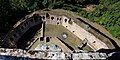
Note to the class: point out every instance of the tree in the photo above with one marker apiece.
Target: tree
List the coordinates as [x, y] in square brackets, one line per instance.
[19, 4]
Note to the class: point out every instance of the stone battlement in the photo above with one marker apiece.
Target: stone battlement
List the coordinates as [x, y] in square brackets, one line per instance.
[52, 55]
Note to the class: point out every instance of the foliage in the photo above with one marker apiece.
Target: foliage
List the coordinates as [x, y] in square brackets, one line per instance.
[19, 4]
[107, 13]
[75, 9]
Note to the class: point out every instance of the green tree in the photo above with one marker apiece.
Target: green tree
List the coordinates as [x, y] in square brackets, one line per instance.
[19, 4]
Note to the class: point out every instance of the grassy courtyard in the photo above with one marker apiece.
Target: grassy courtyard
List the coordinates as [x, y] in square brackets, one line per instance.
[57, 31]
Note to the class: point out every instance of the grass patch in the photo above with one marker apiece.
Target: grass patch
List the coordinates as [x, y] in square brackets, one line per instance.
[57, 31]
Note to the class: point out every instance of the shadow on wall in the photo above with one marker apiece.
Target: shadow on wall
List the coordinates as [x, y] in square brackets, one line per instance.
[115, 56]
[66, 44]
[22, 42]
[111, 40]
[107, 51]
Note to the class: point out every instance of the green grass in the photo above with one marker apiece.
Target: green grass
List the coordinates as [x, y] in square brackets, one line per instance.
[57, 31]
[87, 48]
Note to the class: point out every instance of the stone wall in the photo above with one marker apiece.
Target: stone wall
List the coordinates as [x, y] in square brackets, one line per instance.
[19, 53]
[15, 33]
[81, 33]
[54, 19]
